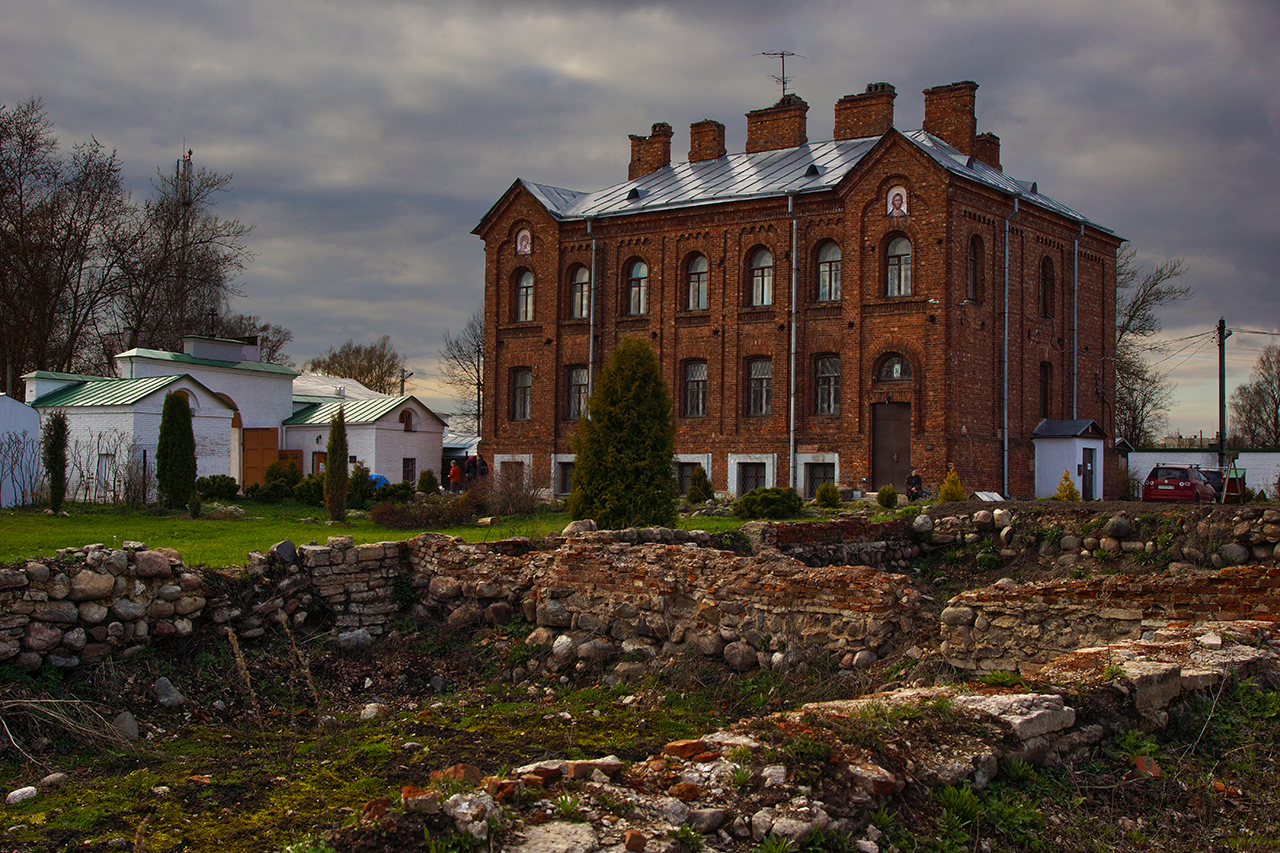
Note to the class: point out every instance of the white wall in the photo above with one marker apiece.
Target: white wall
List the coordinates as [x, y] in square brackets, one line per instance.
[17, 419]
[381, 447]
[1055, 455]
[264, 399]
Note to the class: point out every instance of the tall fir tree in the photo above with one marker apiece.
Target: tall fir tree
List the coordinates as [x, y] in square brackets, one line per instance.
[335, 469]
[54, 453]
[176, 453]
[625, 446]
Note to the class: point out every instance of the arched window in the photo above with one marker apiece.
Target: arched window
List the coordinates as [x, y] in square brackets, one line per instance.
[638, 288]
[826, 369]
[898, 267]
[894, 368]
[696, 276]
[759, 387]
[829, 272]
[524, 297]
[579, 293]
[406, 418]
[1046, 287]
[762, 278]
[975, 283]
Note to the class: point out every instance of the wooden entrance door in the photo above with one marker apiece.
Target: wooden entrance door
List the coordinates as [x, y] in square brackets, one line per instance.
[890, 445]
[1086, 473]
[260, 449]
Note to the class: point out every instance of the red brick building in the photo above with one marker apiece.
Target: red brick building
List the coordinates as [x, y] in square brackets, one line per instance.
[837, 310]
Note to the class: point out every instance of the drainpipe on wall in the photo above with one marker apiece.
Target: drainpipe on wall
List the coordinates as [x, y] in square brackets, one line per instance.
[1005, 431]
[1075, 322]
[591, 313]
[795, 316]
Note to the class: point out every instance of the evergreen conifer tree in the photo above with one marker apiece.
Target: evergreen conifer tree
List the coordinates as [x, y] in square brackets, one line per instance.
[1067, 490]
[176, 453]
[625, 446]
[335, 474]
[952, 490]
[55, 458]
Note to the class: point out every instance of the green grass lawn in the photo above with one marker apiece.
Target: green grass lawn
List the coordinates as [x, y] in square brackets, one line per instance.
[27, 533]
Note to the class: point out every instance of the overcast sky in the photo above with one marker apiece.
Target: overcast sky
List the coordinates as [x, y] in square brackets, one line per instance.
[366, 139]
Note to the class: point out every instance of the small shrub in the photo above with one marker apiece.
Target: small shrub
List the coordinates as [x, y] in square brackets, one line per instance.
[504, 496]
[1000, 678]
[436, 511]
[286, 470]
[428, 482]
[828, 496]
[219, 487]
[887, 497]
[699, 487]
[398, 492]
[688, 836]
[310, 491]
[773, 502]
[951, 489]
[270, 492]
[194, 506]
[1067, 490]
[360, 487]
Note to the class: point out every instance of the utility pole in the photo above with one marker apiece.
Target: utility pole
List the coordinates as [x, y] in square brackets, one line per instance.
[479, 381]
[403, 377]
[1223, 334]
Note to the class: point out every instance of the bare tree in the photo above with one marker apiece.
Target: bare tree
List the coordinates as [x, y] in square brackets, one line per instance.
[61, 223]
[462, 369]
[377, 366]
[1143, 394]
[180, 262]
[1255, 405]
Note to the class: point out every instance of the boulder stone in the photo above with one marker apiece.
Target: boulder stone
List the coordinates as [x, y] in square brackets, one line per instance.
[740, 656]
[152, 564]
[1118, 527]
[41, 636]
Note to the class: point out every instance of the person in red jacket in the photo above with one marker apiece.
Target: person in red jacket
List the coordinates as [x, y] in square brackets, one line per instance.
[455, 477]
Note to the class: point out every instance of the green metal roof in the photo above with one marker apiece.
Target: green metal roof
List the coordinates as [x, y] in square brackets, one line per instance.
[53, 374]
[105, 392]
[183, 358]
[353, 411]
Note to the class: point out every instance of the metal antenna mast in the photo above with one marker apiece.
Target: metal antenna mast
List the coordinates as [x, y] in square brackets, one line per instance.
[782, 79]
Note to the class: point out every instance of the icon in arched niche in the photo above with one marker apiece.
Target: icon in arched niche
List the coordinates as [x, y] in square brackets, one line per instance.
[896, 201]
[524, 242]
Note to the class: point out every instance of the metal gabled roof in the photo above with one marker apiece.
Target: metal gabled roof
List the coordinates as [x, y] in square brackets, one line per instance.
[812, 167]
[106, 392]
[54, 374]
[183, 358]
[353, 411]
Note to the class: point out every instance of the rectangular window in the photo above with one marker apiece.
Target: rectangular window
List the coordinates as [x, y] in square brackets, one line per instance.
[521, 393]
[511, 473]
[106, 468]
[829, 281]
[408, 470]
[762, 286]
[827, 385]
[638, 286]
[695, 390]
[698, 290]
[684, 476]
[577, 393]
[817, 473]
[760, 387]
[580, 295]
[564, 478]
[524, 298]
[750, 476]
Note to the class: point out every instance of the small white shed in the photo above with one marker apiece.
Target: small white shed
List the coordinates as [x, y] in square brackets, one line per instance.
[19, 450]
[397, 437]
[1074, 446]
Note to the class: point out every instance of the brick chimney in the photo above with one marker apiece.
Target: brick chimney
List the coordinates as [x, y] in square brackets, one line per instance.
[650, 153]
[948, 114]
[986, 147]
[868, 114]
[706, 140]
[782, 125]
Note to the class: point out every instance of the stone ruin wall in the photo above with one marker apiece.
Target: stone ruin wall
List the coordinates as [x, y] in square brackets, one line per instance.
[607, 592]
[1014, 627]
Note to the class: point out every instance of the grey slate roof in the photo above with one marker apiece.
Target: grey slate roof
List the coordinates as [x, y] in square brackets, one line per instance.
[814, 167]
[1067, 428]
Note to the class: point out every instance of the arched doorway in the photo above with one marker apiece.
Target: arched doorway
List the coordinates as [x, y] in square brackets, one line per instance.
[892, 385]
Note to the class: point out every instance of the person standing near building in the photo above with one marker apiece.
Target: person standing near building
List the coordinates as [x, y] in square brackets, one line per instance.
[455, 477]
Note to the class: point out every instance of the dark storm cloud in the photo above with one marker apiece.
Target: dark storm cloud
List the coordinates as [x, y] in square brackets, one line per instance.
[366, 140]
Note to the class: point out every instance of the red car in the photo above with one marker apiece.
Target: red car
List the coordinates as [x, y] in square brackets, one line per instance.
[1177, 483]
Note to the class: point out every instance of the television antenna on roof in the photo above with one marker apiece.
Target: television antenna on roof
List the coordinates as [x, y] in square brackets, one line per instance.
[782, 79]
